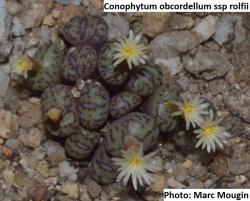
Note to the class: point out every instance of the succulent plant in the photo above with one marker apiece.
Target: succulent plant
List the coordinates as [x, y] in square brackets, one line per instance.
[94, 105]
[159, 106]
[123, 103]
[82, 143]
[134, 127]
[60, 109]
[113, 75]
[104, 171]
[79, 63]
[46, 71]
[145, 80]
[87, 30]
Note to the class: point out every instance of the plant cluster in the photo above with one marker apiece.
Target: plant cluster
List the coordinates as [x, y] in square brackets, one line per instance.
[100, 85]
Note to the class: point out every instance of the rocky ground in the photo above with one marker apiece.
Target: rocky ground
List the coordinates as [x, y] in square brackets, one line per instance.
[208, 54]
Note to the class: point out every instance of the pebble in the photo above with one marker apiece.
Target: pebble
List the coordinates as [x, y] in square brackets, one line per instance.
[94, 189]
[37, 191]
[33, 138]
[49, 20]
[170, 44]
[5, 26]
[13, 7]
[207, 64]
[174, 183]
[199, 171]
[181, 174]
[159, 183]
[33, 17]
[206, 28]
[64, 2]
[154, 24]
[239, 166]
[4, 79]
[84, 194]
[240, 179]
[55, 152]
[224, 29]
[187, 164]
[238, 101]
[118, 26]
[180, 22]
[43, 168]
[173, 65]
[8, 176]
[18, 28]
[6, 119]
[71, 189]
[195, 183]
[30, 113]
[66, 170]
[219, 165]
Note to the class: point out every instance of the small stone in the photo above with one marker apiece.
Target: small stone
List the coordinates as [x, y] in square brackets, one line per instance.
[173, 65]
[118, 26]
[174, 183]
[8, 176]
[18, 28]
[187, 164]
[37, 191]
[224, 29]
[43, 168]
[84, 194]
[180, 173]
[199, 171]
[14, 144]
[13, 7]
[159, 183]
[71, 189]
[206, 28]
[30, 113]
[4, 79]
[49, 21]
[207, 64]
[65, 170]
[239, 166]
[180, 22]
[240, 179]
[7, 122]
[155, 23]
[68, 12]
[195, 183]
[170, 44]
[33, 17]
[55, 153]
[94, 189]
[64, 2]
[33, 138]
[219, 165]
[238, 101]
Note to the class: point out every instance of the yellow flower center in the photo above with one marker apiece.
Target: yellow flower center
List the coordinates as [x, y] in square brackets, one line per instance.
[187, 108]
[128, 51]
[23, 64]
[55, 114]
[134, 160]
[209, 130]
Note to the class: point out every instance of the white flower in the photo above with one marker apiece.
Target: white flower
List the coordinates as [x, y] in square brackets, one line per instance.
[22, 65]
[210, 134]
[133, 164]
[129, 49]
[192, 109]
